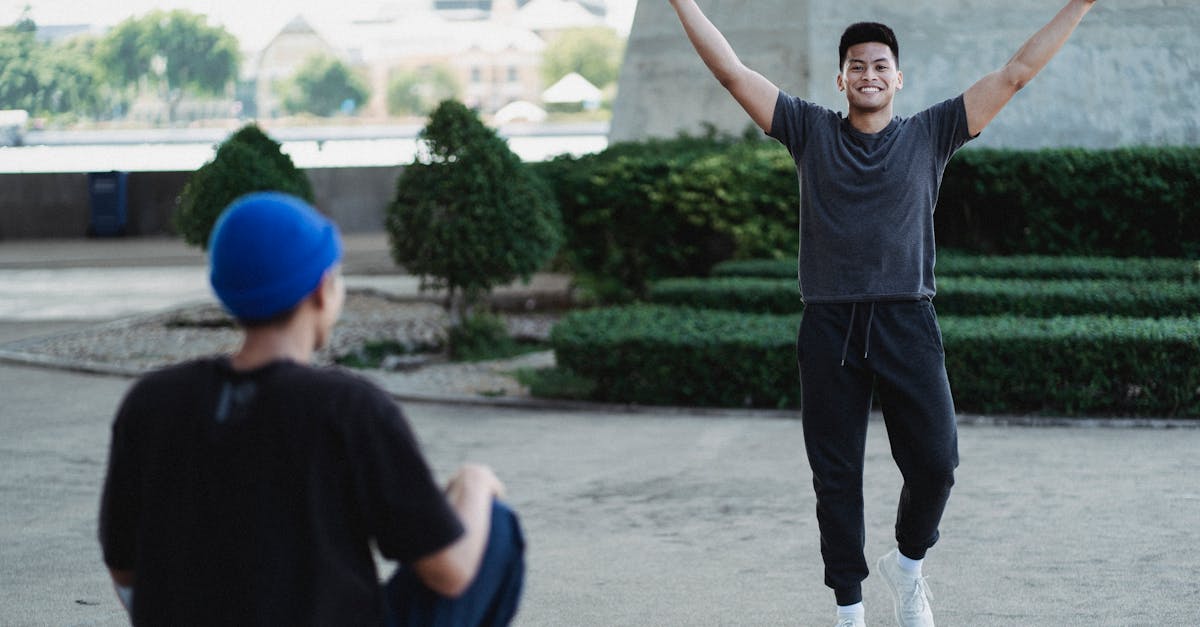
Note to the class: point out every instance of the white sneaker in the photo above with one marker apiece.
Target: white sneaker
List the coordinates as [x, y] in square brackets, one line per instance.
[910, 594]
[852, 621]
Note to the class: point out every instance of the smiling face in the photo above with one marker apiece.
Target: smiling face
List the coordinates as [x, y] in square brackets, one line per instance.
[870, 78]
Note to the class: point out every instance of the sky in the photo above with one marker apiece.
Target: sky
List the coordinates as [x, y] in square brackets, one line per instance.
[253, 22]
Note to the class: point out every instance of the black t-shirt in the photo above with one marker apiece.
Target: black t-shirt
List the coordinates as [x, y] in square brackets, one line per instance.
[252, 498]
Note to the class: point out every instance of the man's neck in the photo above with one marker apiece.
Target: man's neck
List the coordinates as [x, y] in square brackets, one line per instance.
[870, 122]
[262, 346]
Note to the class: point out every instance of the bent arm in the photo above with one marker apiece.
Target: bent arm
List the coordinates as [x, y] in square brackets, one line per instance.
[449, 572]
[986, 98]
[123, 584]
[752, 90]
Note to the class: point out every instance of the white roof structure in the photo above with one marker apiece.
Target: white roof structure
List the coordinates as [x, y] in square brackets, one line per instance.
[428, 34]
[555, 15]
[571, 88]
[519, 111]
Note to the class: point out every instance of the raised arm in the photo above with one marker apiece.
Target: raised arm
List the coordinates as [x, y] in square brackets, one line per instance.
[755, 93]
[987, 97]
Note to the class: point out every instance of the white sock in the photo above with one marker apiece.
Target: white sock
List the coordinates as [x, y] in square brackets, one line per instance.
[909, 565]
[846, 611]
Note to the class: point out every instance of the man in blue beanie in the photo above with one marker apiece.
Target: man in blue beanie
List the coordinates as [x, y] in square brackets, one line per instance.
[249, 489]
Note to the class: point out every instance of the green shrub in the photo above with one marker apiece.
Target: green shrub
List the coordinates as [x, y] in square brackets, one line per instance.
[1128, 202]
[1043, 299]
[758, 268]
[481, 336]
[663, 356]
[1075, 366]
[248, 161]
[468, 214]
[556, 383]
[1064, 366]
[639, 212]
[956, 263]
[778, 296]
[636, 213]
[965, 296]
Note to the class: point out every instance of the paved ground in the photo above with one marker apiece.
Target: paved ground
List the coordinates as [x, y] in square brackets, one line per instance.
[669, 517]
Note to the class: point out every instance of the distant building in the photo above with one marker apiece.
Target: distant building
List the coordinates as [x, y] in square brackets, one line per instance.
[493, 48]
[549, 18]
[279, 61]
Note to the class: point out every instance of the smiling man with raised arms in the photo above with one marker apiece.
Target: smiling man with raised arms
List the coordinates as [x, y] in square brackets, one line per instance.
[869, 185]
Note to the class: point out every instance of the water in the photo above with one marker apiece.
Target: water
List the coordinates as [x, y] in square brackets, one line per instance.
[306, 153]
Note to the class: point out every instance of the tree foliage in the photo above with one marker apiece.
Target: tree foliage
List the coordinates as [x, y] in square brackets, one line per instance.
[418, 92]
[595, 53]
[323, 86]
[47, 79]
[248, 161]
[176, 52]
[468, 214]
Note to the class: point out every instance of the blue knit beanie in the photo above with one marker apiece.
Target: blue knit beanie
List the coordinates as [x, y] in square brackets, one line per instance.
[267, 252]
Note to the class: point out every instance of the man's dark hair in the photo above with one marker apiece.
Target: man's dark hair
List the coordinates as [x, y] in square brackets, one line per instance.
[865, 32]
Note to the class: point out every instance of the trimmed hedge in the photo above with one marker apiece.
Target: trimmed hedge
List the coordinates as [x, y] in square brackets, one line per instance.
[1043, 299]
[965, 296]
[668, 356]
[775, 296]
[638, 212]
[1075, 366]
[952, 264]
[1063, 366]
[1127, 202]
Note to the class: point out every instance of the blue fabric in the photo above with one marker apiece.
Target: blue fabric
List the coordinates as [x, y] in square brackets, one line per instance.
[492, 598]
[267, 252]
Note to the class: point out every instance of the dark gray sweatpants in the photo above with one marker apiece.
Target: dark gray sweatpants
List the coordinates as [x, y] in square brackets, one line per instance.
[843, 350]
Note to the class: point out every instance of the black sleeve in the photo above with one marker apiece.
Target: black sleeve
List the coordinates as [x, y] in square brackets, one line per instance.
[119, 501]
[407, 512]
[948, 125]
[789, 122]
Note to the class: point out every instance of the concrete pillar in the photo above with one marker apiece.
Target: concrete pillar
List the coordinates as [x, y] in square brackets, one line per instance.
[1130, 75]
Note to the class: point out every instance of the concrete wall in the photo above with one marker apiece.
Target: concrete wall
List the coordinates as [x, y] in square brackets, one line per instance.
[58, 206]
[1130, 75]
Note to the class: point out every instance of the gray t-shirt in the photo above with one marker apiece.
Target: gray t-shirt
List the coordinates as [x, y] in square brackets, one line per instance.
[867, 200]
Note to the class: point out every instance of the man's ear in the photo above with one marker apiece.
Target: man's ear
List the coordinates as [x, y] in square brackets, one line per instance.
[325, 290]
[841, 82]
[899, 80]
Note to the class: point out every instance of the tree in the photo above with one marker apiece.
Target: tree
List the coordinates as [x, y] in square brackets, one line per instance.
[46, 79]
[248, 161]
[324, 86]
[595, 53]
[19, 80]
[176, 52]
[417, 92]
[468, 214]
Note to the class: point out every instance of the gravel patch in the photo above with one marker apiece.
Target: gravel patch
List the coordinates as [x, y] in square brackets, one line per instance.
[144, 343]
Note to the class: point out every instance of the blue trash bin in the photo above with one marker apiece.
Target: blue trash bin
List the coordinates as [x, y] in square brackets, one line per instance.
[107, 191]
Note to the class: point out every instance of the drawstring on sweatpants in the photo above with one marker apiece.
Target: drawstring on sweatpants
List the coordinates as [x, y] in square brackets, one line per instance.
[870, 320]
[850, 331]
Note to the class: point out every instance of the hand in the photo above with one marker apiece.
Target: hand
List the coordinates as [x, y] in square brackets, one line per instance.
[475, 477]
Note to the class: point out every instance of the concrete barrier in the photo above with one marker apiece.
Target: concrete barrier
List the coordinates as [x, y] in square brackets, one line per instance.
[57, 205]
[1127, 76]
